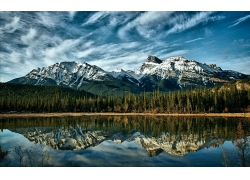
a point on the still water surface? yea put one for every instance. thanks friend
(122, 141)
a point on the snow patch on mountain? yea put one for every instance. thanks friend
(123, 75)
(69, 73)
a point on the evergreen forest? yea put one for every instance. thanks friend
(40, 99)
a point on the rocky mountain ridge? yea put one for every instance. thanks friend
(171, 74)
(69, 74)
(181, 72)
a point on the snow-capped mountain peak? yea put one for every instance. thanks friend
(170, 74)
(70, 74)
(179, 71)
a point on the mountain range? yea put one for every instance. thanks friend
(171, 74)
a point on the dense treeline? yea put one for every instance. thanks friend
(24, 97)
(55, 99)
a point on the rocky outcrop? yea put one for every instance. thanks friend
(154, 59)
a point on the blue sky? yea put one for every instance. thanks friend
(122, 39)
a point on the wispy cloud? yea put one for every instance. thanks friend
(112, 39)
(237, 41)
(197, 39)
(84, 53)
(176, 53)
(15, 64)
(120, 18)
(130, 45)
(208, 32)
(148, 24)
(47, 19)
(15, 57)
(111, 19)
(29, 37)
(96, 17)
(11, 27)
(184, 22)
(152, 18)
(209, 42)
(145, 24)
(161, 53)
(223, 57)
(238, 21)
(123, 62)
(238, 63)
(87, 44)
(62, 48)
(110, 56)
(72, 15)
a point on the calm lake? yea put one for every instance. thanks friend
(125, 141)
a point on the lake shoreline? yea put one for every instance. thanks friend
(15, 115)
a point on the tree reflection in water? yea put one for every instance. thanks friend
(241, 155)
(176, 135)
(38, 156)
(3, 154)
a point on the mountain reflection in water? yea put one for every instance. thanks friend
(177, 136)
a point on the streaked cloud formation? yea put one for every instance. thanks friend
(197, 39)
(238, 21)
(121, 39)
